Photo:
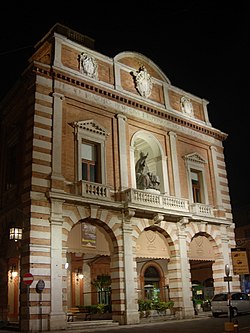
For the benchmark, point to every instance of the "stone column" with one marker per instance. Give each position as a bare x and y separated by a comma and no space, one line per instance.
205,103
130,274
87,283
56,176
57,317
123,151
166,96
188,310
216,178
175,166
226,255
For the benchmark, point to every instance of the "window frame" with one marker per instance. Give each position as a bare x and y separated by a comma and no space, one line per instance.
96,163
90,131
195,163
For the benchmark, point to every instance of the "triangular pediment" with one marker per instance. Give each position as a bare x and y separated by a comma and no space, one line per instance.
90,126
195,157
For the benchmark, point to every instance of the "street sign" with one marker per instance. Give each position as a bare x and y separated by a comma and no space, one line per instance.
40,286
28,278
240,261
228,278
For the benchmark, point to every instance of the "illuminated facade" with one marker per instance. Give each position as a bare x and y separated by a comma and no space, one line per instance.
108,168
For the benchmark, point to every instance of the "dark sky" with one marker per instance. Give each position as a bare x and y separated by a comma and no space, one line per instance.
202,46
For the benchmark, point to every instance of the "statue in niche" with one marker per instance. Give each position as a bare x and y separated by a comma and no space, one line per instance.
143,81
186,105
144,178
88,65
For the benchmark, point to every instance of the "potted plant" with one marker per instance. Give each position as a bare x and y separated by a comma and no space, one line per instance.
145,307
198,304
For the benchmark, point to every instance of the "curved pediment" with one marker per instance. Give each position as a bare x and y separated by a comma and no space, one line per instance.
139,76
136,60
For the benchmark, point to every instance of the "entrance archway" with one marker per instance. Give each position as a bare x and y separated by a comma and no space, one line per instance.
89,249
201,263
152,283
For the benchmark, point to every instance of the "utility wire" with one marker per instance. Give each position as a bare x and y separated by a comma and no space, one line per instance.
15,50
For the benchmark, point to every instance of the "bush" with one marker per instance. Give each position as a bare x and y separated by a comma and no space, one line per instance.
147,305
162,306
96,308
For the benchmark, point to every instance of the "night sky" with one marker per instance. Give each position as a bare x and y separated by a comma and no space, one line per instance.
201,46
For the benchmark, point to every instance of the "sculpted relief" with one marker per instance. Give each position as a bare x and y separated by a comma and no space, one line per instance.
144,178
88,65
143,82
186,105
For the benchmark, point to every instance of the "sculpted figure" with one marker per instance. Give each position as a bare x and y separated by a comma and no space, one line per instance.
144,178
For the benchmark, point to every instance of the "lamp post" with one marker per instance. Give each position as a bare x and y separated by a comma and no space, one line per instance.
228,279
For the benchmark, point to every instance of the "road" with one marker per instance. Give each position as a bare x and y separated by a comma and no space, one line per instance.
198,325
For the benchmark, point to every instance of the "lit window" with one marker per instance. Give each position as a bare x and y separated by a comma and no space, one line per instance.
89,154
196,185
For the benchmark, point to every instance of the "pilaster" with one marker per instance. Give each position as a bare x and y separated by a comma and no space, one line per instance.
123,150
57,317
56,177
175,167
185,269
130,275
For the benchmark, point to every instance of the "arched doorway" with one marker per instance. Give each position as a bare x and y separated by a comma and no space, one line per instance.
152,283
201,263
88,257
152,265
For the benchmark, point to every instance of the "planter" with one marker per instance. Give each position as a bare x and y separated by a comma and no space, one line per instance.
198,307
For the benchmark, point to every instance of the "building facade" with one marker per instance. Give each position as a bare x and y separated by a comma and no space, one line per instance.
107,169
242,236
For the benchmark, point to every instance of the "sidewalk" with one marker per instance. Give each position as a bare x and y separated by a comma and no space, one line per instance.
103,325
97,325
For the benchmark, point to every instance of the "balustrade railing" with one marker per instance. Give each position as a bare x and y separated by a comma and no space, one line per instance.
148,199
156,200
94,190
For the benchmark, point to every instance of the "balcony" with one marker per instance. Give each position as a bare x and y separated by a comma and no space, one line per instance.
148,201
93,190
155,200
201,209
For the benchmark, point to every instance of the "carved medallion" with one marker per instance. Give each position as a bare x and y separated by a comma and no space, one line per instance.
186,105
143,82
88,65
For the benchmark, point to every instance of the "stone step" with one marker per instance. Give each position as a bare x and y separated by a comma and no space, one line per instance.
76,325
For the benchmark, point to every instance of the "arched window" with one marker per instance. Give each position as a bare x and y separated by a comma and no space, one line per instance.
152,283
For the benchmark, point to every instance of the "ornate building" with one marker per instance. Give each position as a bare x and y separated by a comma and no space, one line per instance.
107,169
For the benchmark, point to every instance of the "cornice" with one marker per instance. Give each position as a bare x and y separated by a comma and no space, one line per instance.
128,103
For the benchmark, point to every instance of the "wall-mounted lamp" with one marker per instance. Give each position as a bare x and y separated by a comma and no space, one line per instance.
13,272
15,233
79,275
66,266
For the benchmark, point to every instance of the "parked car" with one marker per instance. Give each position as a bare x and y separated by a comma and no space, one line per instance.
240,303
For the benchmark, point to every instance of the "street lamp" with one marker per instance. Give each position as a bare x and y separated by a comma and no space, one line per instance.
15,234
228,279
